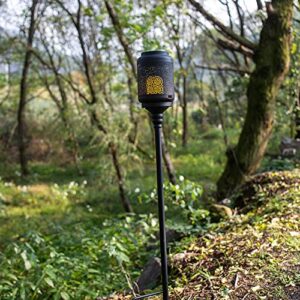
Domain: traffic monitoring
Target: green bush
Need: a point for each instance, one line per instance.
(279, 164)
(184, 205)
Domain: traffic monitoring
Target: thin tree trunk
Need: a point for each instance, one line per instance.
(166, 155)
(297, 117)
(73, 141)
(259, 4)
(184, 114)
(133, 118)
(167, 160)
(272, 60)
(61, 104)
(125, 202)
(121, 36)
(23, 91)
(220, 111)
(94, 100)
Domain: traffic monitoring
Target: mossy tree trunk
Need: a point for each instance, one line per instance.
(272, 59)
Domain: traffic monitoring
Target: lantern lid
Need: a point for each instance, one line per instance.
(155, 52)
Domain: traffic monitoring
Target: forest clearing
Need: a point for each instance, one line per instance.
(85, 211)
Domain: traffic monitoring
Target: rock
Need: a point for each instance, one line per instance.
(150, 275)
(224, 210)
(171, 235)
(290, 147)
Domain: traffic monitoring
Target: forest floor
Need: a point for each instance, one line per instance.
(65, 236)
(256, 255)
(253, 254)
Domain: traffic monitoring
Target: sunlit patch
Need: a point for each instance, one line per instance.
(155, 85)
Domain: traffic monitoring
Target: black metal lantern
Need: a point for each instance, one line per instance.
(156, 93)
(155, 80)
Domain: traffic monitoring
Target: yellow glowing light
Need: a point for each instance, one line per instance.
(154, 85)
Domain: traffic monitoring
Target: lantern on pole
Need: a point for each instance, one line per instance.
(156, 93)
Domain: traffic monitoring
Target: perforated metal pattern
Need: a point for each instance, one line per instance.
(159, 78)
(154, 85)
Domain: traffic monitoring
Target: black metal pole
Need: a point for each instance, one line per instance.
(157, 122)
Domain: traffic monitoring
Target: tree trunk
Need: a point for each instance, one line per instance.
(184, 114)
(134, 120)
(272, 60)
(117, 166)
(297, 117)
(95, 120)
(23, 91)
(73, 141)
(61, 103)
(167, 160)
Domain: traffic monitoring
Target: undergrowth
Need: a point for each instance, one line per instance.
(252, 254)
(58, 245)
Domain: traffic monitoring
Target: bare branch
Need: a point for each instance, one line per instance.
(241, 17)
(225, 30)
(225, 68)
(122, 38)
(259, 5)
(209, 34)
(233, 46)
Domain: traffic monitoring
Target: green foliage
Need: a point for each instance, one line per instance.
(62, 248)
(186, 209)
(279, 164)
(67, 256)
(187, 203)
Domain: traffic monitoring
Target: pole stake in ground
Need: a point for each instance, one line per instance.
(156, 93)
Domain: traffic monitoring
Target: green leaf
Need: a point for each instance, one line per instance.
(64, 295)
(49, 281)
(294, 48)
(27, 264)
(51, 274)
(88, 12)
(137, 28)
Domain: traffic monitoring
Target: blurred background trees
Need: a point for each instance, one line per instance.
(68, 77)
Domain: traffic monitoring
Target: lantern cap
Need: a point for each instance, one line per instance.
(155, 52)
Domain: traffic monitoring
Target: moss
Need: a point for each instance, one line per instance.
(256, 254)
(268, 184)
